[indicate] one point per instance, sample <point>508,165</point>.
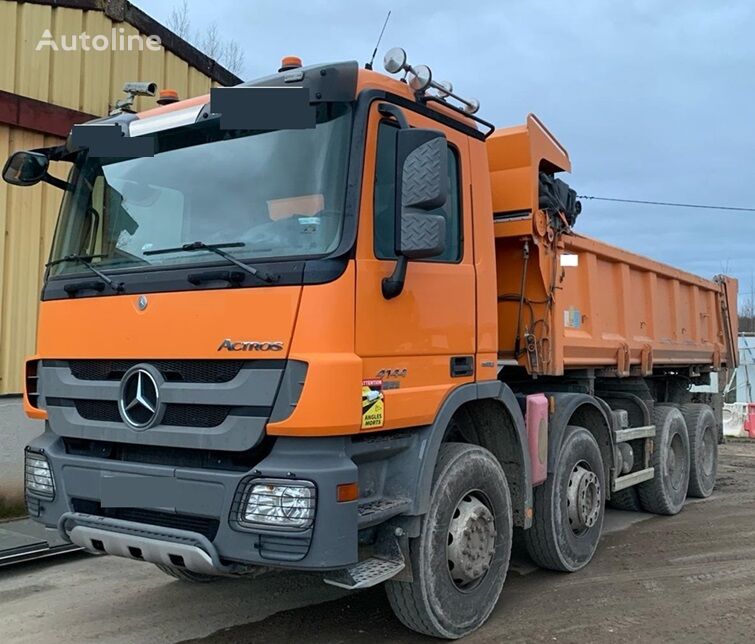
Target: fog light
<point>281,504</point>
<point>38,474</point>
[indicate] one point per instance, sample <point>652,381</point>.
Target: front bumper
<point>170,547</point>
<point>144,510</point>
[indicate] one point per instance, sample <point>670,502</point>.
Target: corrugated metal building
<point>43,92</point>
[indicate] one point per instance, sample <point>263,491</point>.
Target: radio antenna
<point>377,44</point>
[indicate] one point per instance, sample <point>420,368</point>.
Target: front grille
<point>184,457</point>
<point>105,411</point>
<point>202,371</point>
<point>202,525</point>
<point>176,415</point>
<point>195,415</point>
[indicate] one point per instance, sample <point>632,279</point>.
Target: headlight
<point>282,504</point>
<point>39,481</point>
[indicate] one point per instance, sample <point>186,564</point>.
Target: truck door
<point>418,346</point>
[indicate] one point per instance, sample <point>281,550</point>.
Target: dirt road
<point>687,578</point>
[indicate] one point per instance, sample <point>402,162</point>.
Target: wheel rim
<point>583,498</point>
<point>675,462</point>
<point>708,448</point>
<point>470,543</point>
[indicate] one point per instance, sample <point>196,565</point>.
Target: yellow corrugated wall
<point>84,81</point>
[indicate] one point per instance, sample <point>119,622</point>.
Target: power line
<point>667,203</point>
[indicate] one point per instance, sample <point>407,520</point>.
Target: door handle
<point>462,366</point>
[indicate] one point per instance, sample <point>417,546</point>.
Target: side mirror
<point>422,235</point>
<point>422,173</point>
<point>422,160</point>
<point>25,168</point>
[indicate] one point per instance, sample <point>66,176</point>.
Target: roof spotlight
<point>420,79</point>
<point>394,60</point>
<point>445,88</point>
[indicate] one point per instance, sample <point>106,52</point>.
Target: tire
<point>665,493</point>
<point>468,482</point>
<point>188,575</point>
<point>567,524</point>
<point>627,499</point>
<point>703,449</point>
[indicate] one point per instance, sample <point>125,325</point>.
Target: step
<point>375,512</point>
<point>367,573</point>
<point>629,480</point>
<point>633,433</point>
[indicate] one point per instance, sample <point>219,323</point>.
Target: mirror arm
<point>394,283</point>
<point>55,152</point>
<point>54,181</point>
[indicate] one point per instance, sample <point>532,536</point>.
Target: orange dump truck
<point>333,321</point>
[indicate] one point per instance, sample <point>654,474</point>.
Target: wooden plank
<point>124,65</point>
<point>151,69</point>
<point>4,187</point>
<point>32,67</point>
<point>95,88</point>
<point>65,66</point>
<point>8,18</point>
<point>20,293</point>
<point>176,75</point>
<point>199,84</point>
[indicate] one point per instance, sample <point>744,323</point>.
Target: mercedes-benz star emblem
<point>139,401</point>
<point>141,302</point>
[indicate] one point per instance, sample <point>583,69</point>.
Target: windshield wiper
<point>86,261</point>
<point>216,248</point>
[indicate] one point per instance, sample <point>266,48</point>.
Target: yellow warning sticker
<point>373,404</point>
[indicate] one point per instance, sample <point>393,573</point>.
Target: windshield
<point>278,194</point>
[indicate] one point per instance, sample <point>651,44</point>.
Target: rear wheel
<point>187,575</point>
<point>665,493</point>
<point>569,506</point>
<point>460,559</point>
<point>703,449</point>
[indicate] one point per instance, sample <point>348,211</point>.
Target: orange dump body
<point>586,304</point>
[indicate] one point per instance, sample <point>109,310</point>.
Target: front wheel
<point>460,559</point>
<point>569,506</point>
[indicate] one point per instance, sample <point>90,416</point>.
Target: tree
<point>179,22</point>
<point>747,311</point>
<point>208,40</point>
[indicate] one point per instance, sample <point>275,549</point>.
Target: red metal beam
<point>31,114</point>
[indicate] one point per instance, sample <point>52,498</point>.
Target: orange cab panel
<point>256,322</point>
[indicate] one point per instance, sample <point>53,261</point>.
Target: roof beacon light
<point>289,62</point>
<point>420,79</point>
<point>167,96</point>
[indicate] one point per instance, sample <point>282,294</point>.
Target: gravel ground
<point>686,578</point>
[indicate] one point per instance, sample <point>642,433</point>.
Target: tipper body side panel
<point>566,301</point>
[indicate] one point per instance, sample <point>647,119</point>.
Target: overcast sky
<point>653,99</point>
